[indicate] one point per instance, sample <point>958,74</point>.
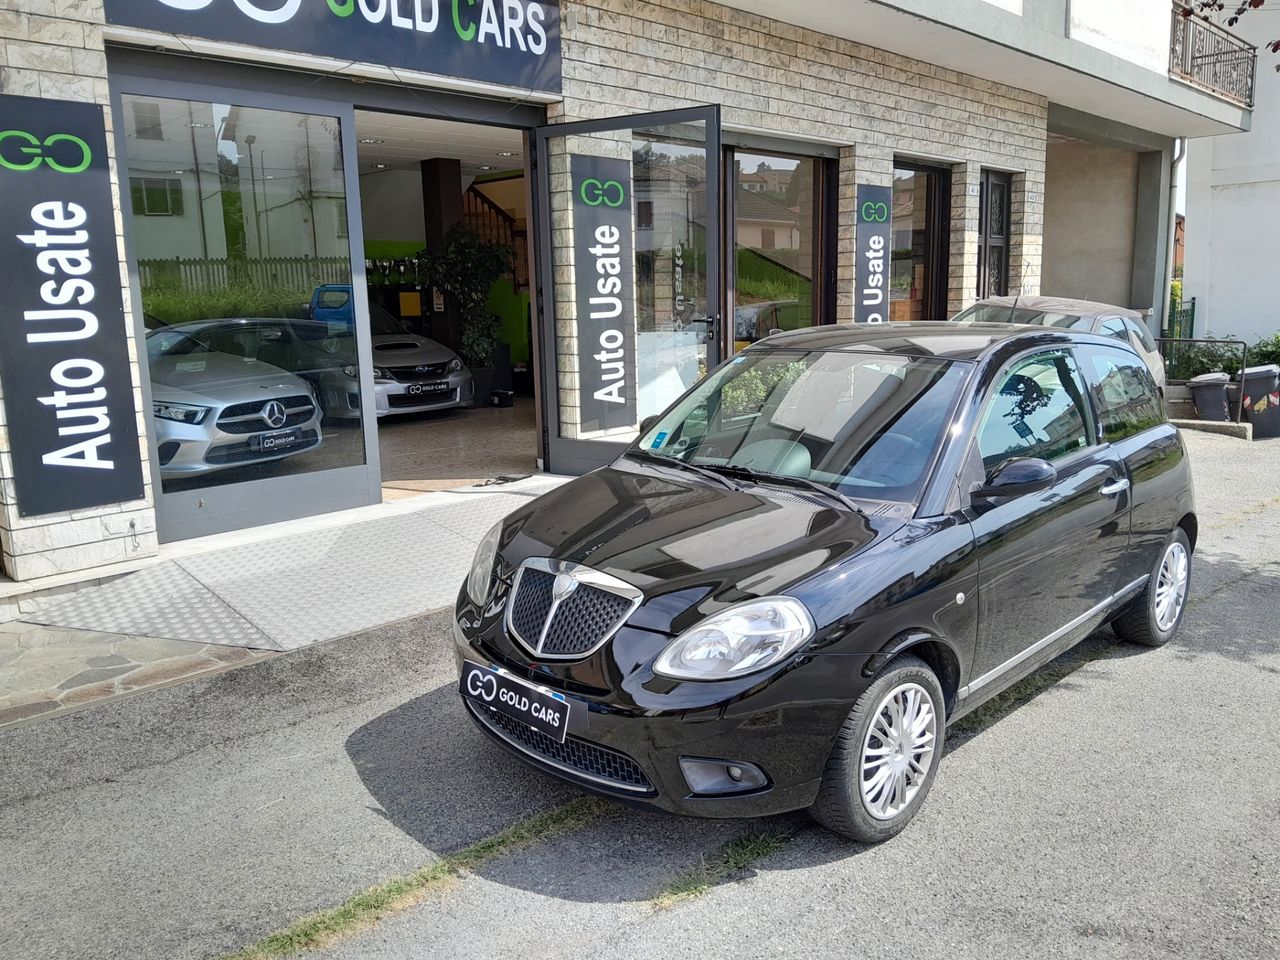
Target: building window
<point>343,228</point>
<point>995,212</point>
<point>156,197</point>
<point>777,241</point>
<point>920,261</point>
<point>644,214</point>
<point>146,121</point>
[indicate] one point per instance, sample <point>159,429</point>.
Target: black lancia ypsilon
<point>830,548</point>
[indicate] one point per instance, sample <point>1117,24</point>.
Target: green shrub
<point>173,305</point>
<point>1265,351</point>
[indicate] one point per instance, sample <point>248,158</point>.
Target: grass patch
<point>370,906</point>
<point>735,856</point>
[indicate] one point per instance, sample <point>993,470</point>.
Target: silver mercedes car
<point>213,410</point>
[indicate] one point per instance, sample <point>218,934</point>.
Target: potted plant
<point>465,271</point>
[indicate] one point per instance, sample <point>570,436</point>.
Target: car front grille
<point>246,452</point>
<point>580,622</point>
<point>424,371</point>
<point>421,399</point>
<point>249,418</point>
<point>581,757</point>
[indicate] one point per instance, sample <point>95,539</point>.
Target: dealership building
<point>240,239</point>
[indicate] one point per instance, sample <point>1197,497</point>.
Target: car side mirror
<point>1017,478</point>
<point>647,423</point>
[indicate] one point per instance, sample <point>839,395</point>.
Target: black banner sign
<point>64,358</point>
<point>604,270</point>
<point>874,222</point>
<point>515,43</point>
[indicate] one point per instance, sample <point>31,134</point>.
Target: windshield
<point>998,313</point>
<point>865,424</point>
<point>383,323</point>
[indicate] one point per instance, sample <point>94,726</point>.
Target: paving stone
<point>111,660</point>
<point>149,649</point>
<point>164,671</point>
<point>227,654</point>
<point>93,676</point>
<point>88,694</point>
<point>33,709</point>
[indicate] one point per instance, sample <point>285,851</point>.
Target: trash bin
<point>1209,394</point>
<point>1261,389</point>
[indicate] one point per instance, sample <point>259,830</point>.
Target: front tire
<point>885,756</point>
<point>1153,616</point>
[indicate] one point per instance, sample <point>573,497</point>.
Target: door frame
<point>574,456</point>
<point>938,241</point>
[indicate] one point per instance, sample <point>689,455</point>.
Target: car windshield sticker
<point>658,440</point>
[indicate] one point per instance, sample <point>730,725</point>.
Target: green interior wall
<point>513,307</point>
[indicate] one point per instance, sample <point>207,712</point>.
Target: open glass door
<point>629,300</point>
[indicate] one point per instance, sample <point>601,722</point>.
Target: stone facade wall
<point>632,56</point>
<point>54,49</point>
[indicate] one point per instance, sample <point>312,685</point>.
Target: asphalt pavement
<point>1130,808</point>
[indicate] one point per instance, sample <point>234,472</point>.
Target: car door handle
<point>1113,487</point>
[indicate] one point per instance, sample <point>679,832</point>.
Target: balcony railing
<point>1205,55</point>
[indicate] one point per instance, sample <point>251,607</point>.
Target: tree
<point>1207,9</point>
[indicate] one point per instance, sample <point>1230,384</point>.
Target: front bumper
<point>187,449</point>
<point>786,726</point>
<point>455,390</point>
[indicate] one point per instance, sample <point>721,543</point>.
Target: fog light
<point>708,777</point>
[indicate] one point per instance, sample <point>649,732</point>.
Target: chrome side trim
<point>1031,651</point>
<point>568,770</point>
<point>584,575</point>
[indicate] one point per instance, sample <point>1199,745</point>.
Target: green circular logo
<point>64,159</point>
<point>342,8</point>
<point>594,193</point>
<point>875,212</point>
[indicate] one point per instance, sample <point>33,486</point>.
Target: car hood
<point>408,350</point>
<point>693,547</point>
<point>219,378</point>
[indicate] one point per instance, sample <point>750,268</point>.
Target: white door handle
<point>1114,487</point>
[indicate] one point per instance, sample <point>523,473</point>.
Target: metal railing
<point>1182,321</point>
<point>1207,56</point>
<point>1187,357</point>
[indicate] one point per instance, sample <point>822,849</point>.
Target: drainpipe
<point>1179,150</point>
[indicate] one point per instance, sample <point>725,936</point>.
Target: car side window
<point>1037,409</point>
<point>1124,393</point>
<point>1143,334</point>
<point>1114,327</point>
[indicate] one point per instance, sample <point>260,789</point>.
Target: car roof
<point>1067,306</point>
<point>925,338</point>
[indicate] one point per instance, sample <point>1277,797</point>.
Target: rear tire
<point>885,756</point>
<point>1152,617</point>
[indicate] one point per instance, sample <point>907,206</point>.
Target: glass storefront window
<point>918,267</point>
<point>775,244</point>
<point>239,226</point>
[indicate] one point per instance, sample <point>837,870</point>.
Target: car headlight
<point>181,412</point>
<point>481,574</point>
<point>350,371</point>
<point>738,640</point>
<point>455,365</point>
<point>382,373</point>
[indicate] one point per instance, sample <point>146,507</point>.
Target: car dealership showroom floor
<point>456,448</point>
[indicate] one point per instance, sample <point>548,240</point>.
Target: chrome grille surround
<point>608,612</point>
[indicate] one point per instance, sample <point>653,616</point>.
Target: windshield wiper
<point>760,476</point>
<point>646,457</point>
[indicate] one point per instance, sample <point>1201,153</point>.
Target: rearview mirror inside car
<point>1015,479</point>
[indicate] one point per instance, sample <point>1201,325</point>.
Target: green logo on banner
<point>875,212</point>
<point>594,193</point>
<point>71,159</point>
<point>343,8</point>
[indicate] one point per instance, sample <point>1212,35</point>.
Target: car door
<point>1048,561</point>
<point>1131,419</point>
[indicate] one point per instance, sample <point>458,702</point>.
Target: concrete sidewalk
<point>221,601</point>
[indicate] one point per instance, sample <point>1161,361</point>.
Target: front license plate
<point>543,710</point>
<point>278,440</point>
<point>416,389</point>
